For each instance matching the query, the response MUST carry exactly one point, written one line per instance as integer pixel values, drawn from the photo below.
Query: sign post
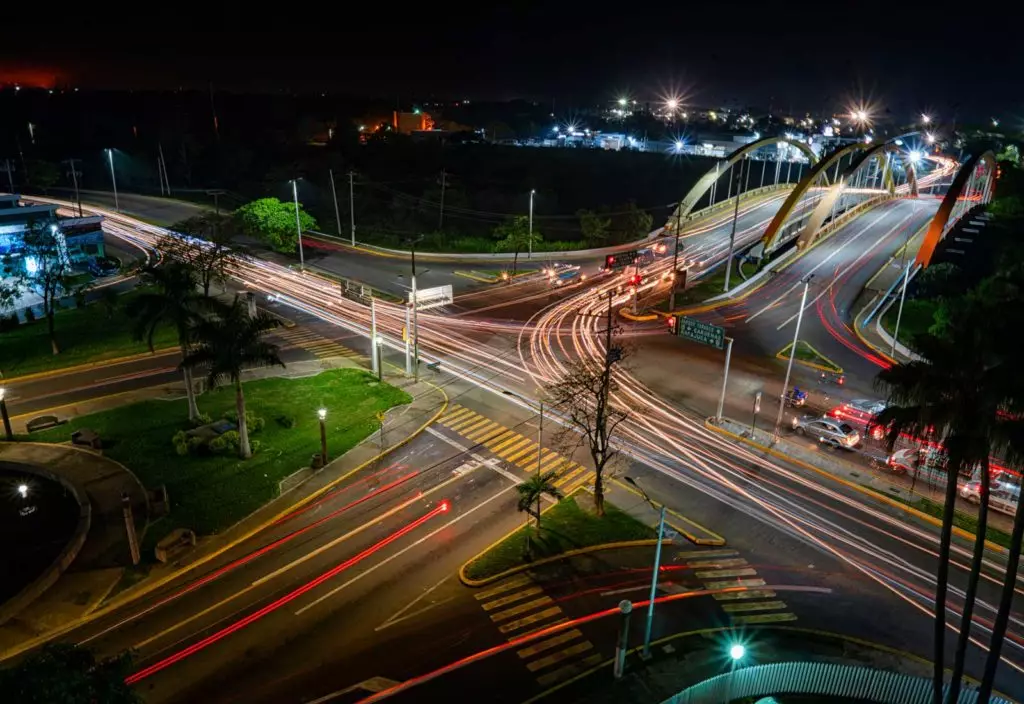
(725, 379)
(757, 409)
(699, 331)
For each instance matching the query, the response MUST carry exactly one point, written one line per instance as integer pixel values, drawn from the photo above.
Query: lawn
(211, 492)
(960, 519)
(918, 316)
(89, 334)
(564, 526)
(808, 355)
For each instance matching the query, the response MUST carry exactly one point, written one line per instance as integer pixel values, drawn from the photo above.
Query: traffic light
(609, 261)
(673, 324)
(635, 280)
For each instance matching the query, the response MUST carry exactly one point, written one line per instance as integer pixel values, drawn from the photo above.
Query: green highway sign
(699, 331)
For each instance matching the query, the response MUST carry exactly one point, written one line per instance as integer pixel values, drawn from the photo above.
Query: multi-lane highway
(361, 584)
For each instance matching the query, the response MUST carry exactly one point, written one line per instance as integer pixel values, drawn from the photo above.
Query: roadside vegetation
(808, 356)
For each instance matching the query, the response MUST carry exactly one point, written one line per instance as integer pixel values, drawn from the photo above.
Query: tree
(69, 674)
(636, 223)
(514, 236)
(593, 226)
(228, 343)
(273, 221)
(533, 489)
(44, 175)
(957, 391)
(209, 247)
(175, 301)
(44, 269)
(1010, 154)
(586, 396)
(942, 279)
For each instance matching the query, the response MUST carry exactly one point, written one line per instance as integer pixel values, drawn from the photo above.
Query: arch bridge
(971, 187)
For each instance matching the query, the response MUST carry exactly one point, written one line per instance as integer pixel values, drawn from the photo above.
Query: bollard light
(322, 414)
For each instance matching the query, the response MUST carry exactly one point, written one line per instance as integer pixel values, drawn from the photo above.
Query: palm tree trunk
(972, 587)
(515, 261)
(49, 326)
(995, 646)
(190, 390)
(243, 430)
(942, 582)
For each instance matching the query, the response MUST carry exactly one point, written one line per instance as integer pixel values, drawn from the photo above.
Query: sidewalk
(677, 526)
(401, 425)
(891, 488)
(94, 569)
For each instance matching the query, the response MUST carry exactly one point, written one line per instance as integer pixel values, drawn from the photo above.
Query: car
(831, 431)
(906, 460)
(1002, 497)
(103, 267)
(861, 412)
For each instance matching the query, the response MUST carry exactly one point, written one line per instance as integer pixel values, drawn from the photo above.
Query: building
(82, 238)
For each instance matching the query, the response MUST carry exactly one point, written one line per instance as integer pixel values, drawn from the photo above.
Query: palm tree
(531, 491)
(176, 301)
(956, 391)
(227, 344)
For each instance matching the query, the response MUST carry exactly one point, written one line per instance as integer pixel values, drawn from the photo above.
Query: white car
(1002, 497)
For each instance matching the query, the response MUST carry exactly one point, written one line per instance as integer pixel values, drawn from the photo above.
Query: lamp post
(334, 194)
(540, 425)
(322, 415)
(732, 232)
(736, 653)
(374, 362)
(113, 178)
(529, 239)
(298, 227)
(415, 324)
(675, 257)
(6, 418)
(380, 362)
(646, 652)
(792, 353)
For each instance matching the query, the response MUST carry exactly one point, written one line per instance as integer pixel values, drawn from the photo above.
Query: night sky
(793, 56)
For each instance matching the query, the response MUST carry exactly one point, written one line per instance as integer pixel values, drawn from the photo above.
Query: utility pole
(530, 238)
(113, 179)
(415, 323)
(9, 168)
(298, 226)
(351, 206)
(440, 218)
(806, 281)
(74, 173)
(160, 174)
(163, 164)
(334, 194)
(675, 258)
(732, 232)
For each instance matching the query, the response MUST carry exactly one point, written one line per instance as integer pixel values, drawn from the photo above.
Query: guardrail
(822, 679)
(889, 292)
(729, 203)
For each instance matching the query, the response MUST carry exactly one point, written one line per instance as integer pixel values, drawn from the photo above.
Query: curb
(852, 485)
(92, 365)
(143, 588)
(716, 541)
(642, 318)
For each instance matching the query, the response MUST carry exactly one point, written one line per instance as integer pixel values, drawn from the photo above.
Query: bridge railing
(822, 679)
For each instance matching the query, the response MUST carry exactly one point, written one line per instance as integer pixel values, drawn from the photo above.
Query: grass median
(961, 520)
(210, 492)
(92, 333)
(808, 356)
(567, 525)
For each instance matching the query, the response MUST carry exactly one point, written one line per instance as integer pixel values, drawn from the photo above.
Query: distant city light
(623, 102)
(671, 103)
(930, 138)
(925, 118)
(679, 145)
(995, 122)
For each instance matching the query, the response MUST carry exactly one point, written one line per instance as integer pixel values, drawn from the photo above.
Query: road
(775, 515)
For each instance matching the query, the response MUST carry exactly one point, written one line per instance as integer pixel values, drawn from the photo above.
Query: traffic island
(809, 357)
(209, 486)
(569, 527)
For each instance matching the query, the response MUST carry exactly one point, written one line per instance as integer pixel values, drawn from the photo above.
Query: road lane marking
(398, 614)
(531, 619)
(521, 609)
(763, 618)
(706, 553)
(725, 584)
(503, 587)
(494, 442)
(511, 598)
(754, 606)
(559, 656)
(749, 594)
(477, 436)
(728, 562)
(416, 544)
(568, 671)
(549, 643)
(492, 463)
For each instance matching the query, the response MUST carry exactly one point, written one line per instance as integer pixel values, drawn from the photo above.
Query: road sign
(699, 331)
(432, 297)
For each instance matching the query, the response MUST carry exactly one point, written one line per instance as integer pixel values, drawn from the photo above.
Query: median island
(570, 524)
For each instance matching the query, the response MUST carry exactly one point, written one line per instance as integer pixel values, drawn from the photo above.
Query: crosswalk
(320, 346)
(720, 569)
(518, 606)
(515, 448)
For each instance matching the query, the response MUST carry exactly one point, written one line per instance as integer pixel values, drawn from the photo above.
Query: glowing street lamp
(672, 104)
(925, 119)
(113, 178)
(737, 652)
(623, 102)
(930, 138)
(298, 226)
(915, 157)
(23, 490)
(322, 415)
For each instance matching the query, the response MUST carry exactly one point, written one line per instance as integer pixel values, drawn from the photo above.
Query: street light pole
(530, 237)
(646, 653)
(415, 322)
(373, 334)
(351, 205)
(8, 433)
(903, 296)
(725, 378)
(322, 415)
(113, 178)
(792, 353)
(334, 193)
(298, 227)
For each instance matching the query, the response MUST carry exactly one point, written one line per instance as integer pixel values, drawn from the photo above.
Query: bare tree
(585, 395)
(207, 247)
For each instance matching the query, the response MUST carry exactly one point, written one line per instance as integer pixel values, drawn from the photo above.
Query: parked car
(861, 412)
(905, 460)
(1002, 497)
(831, 431)
(103, 267)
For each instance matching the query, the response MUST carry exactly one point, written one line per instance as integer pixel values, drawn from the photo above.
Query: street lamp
(298, 227)
(736, 653)
(415, 305)
(623, 102)
(6, 418)
(540, 425)
(806, 281)
(930, 138)
(646, 652)
(113, 178)
(380, 362)
(925, 119)
(23, 490)
(322, 415)
(529, 239)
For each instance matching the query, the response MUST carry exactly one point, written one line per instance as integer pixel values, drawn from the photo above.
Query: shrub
(180, 443)
(285, 421)
(253, 422)
(232, 439)
(218, 445)
(196, 445)
(255, 445)
(30, 315)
